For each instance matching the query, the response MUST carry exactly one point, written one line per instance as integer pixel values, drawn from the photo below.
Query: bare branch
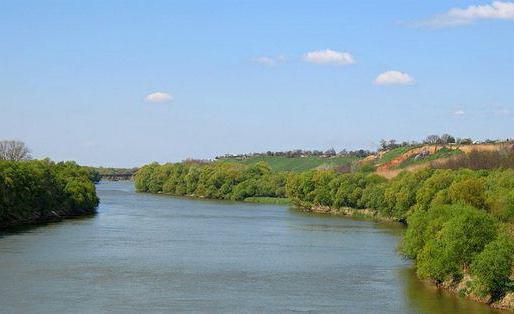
(14, 151)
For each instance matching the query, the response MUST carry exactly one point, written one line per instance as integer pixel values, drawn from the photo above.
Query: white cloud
(158, 97)
(459, 113)
(329, 57)
(497, 10)
(394, 78)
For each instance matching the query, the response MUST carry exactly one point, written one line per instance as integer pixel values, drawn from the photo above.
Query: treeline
(361, 153)
(458, 220)
(41, 190)
(435, 139)
(211, 180)
(99, 173)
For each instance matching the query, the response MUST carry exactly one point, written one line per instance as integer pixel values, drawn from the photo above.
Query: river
(155, 253)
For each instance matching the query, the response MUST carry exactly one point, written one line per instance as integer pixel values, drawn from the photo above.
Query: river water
(154, 253)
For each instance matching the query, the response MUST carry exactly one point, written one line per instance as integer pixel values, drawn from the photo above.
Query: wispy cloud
(269, 61)
(494, 112)
(329, 57)
(158, 97)
(497, 10)
(393, 78)
(459, 113)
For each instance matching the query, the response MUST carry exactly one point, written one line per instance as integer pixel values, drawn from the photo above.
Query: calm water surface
(151, 253)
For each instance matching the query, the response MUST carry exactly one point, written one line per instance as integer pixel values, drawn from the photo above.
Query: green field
(295, 164)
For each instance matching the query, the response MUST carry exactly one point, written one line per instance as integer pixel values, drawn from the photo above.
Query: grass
(442, 153)
(295, 164)
(393, 153)
(268, 200)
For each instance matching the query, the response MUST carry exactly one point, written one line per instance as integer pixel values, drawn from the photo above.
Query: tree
(383, 144)
(38, 189)
(432, 139)
(454, 246)
(492, 266)
(330, 152)
(465, 141)
(469, 191)
(447, 139)
(14, 151)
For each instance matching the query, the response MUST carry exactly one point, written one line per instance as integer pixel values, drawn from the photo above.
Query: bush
(492, 266)
(32, 190)
(436, 262)
(468, 191)
(423, 226)
(211, 180)
(447, 239)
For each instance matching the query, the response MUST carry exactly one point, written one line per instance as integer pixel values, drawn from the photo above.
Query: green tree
(493, 265)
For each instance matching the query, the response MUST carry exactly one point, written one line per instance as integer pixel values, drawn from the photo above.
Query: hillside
(387, 163)
(392, 162)
(295, 164)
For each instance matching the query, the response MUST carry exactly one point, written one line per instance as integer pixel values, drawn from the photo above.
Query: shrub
(468, 191)
(492, 266)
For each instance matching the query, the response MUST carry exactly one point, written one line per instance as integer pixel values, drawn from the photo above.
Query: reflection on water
(423, 296)
(154, 253)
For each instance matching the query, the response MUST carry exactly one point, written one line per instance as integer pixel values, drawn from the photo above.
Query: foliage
(212, 180)
(452, 215)
(103, 172)
(422, 226)
(492, 266)
(30, 190)
(444, 240)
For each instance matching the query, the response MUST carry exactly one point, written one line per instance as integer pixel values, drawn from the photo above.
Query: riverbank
(461, 288)
(268, 200)
(40, 191)
(38, 219)
(352, 212)
(254, 200)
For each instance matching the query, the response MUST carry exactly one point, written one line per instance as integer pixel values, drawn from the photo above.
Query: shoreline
(452, 287)
(280, 201)
(356, 213)
(36, 220)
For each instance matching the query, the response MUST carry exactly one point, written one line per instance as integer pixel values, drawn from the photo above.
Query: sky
(123, 83)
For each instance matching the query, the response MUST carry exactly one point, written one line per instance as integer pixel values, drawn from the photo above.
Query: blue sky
(249, 76)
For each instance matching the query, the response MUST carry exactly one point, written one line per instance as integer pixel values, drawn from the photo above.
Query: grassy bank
(268, 200)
